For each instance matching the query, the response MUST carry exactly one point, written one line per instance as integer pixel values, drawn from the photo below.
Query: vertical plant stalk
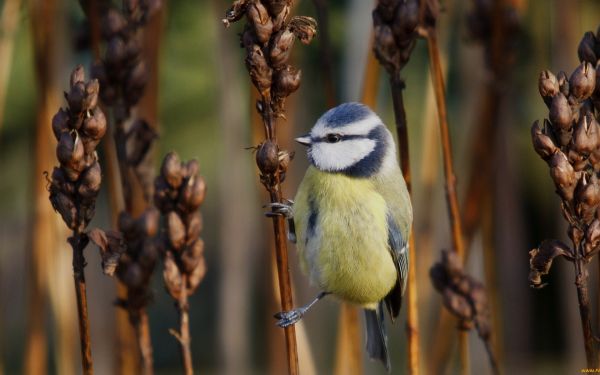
(450, 178)
(268, 39)
(412, 321)
(78, 242)
(124, 350)
(499, 56)
(8, 26)
(35, 356)
(183, 336)
(395, 32)
(142, 328)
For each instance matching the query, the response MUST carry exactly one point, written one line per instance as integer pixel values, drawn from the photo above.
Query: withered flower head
(179, 192)
(74, 185)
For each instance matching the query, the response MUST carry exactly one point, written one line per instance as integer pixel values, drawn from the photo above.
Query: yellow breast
(342, 236)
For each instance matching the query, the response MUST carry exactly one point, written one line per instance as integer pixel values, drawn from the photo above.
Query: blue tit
(352, 216)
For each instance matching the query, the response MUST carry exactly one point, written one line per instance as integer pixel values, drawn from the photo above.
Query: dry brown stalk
(8, 27)
(123, 72)
(75, 184)
(395, 24)
(493, 24)
(569, 142)
(268, 38)
(44, 235)
(179, 193)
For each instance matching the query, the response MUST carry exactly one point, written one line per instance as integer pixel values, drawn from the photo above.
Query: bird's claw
(288, 318)
(281, 209)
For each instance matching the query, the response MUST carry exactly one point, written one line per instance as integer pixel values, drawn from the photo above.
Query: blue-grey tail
(376, 337)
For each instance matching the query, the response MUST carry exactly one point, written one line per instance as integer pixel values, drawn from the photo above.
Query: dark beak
(304, 140)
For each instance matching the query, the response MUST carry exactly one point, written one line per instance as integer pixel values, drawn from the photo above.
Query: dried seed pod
(585, 135)
(148, 222)
(405, 22)
(279, 16)
(171, 170)
(592, 236)
(385, 48)
(542, 143)
(95, 126)
(193, 194)
(70, 150)
(387, 9)
(125, 222)
(563, 175)
(589, 193)
(267, 157)
(587, 46)
(136, 82)
(115, 52)
(78, 75)
(259, 18)
(172, 276)
(287, 81)
(189, 258)
(92, 88)
(563, 83)
(175, 230)
(191, 168)
(193, 229)
(276, 7)
(305, 28)
(75, 98)
(260, 72)
(560, 112)
(236, 12)
(285, 157)
(281, 47)
(583, 81)
(148, 255)
(548, 86)
(60, 123)
(196, 276)
(113, 23)
(89, 183)
(65, 206)
(134, 276)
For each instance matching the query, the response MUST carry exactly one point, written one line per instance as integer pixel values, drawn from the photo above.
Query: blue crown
(345, 114)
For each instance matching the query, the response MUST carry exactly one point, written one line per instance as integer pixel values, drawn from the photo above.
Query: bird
(351, 218)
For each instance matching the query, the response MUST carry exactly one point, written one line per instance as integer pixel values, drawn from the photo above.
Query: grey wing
(399, 251)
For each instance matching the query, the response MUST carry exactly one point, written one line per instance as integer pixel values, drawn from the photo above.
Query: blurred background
(199, 96)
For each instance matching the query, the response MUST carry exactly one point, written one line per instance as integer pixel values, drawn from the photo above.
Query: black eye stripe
(342, 138)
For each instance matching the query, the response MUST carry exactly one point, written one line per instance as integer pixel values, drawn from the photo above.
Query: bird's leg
(287, 318)
(286, 210)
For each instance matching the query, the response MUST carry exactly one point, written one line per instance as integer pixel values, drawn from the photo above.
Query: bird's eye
(333, 138)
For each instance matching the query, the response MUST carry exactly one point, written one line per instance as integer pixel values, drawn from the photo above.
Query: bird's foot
(284, 209)
(288, 318)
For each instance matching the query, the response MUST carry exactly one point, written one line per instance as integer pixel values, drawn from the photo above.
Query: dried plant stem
(412, 321)
(285, 285)
(8, 26)
(78, 242)
(142, 329)
(450, 185)
(581, 277)
(489, 264)
(183, 336)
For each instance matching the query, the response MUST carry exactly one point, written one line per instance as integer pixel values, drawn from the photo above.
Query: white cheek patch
(334, 157)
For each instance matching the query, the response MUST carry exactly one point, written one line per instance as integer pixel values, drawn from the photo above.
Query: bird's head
(349, 139)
